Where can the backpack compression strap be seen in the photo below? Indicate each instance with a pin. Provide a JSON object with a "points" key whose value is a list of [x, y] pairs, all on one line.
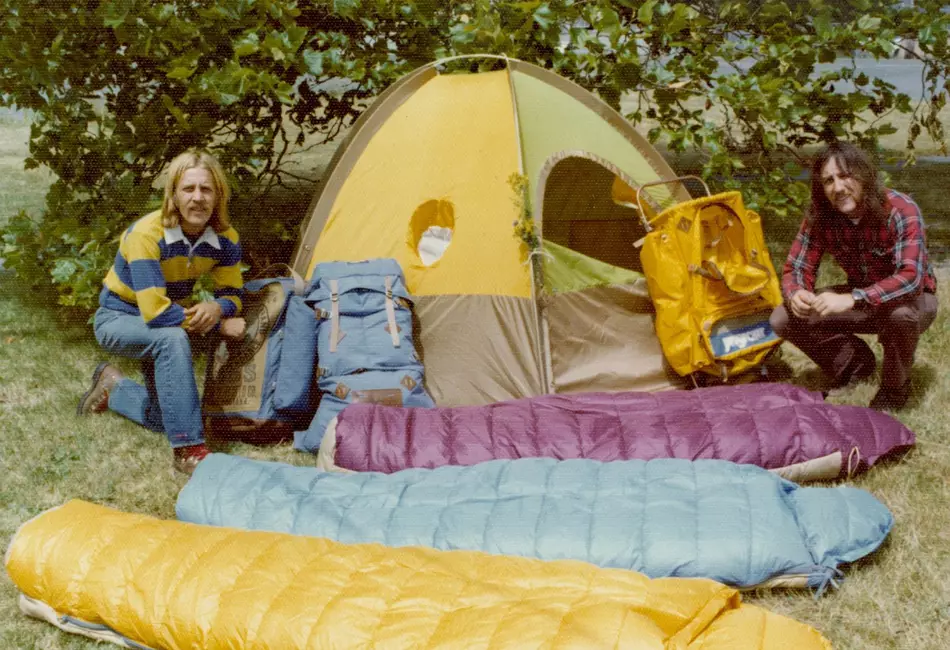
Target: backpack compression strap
{"points": [[334, 314], [391, 312]]}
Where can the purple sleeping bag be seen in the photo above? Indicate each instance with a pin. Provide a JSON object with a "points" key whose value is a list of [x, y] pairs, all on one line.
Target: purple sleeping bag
{"points": [[779, 427]]}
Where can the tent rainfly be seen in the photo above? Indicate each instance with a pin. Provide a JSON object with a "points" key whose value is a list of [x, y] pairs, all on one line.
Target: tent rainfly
{"points": [[443, 170]]}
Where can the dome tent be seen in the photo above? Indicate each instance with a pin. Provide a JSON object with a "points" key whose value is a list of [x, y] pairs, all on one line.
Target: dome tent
{"points": [[429, 176]]}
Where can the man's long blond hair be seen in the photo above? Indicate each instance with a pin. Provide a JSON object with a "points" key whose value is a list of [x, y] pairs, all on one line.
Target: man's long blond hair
{"points": [[220, 221]]}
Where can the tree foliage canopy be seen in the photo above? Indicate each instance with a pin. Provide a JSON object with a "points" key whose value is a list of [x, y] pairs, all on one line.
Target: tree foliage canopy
{"points": [[118, 87]]}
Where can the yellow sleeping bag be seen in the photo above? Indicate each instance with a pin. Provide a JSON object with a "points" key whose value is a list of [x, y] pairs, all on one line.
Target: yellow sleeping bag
{"points": [[165, 584]]}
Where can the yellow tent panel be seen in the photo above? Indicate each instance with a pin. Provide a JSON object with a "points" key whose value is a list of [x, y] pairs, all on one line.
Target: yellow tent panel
{"points": [[418, 157]]}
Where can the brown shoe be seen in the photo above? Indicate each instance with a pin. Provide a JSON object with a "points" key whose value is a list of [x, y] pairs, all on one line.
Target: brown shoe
{"points": [[96, 399], [186, 459], [860, 368], [891, 398]]}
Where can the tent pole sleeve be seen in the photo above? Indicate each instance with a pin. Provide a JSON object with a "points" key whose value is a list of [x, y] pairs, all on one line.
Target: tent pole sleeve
{"points": [[536, 276]]}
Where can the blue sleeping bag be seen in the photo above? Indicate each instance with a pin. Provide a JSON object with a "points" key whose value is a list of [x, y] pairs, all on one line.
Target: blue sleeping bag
{"points": [[738, 524]]}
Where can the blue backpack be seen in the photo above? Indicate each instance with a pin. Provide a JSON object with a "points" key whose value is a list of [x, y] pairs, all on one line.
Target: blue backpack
{"points": [[365, 348]]}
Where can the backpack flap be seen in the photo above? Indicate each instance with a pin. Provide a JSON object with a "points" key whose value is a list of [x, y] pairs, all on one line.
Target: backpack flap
{"points": [[364, 317]]}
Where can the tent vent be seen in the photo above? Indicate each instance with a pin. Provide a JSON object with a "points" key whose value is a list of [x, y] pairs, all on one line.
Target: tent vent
{"points": [[433, 244], [430, 231]]}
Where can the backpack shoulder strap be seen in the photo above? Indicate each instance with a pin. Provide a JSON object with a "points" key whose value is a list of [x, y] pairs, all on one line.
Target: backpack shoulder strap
{"points": [[334, 314], [391, 312]]}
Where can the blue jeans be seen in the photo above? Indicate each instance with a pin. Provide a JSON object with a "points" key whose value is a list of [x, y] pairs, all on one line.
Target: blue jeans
{"points": [[168, 402]]}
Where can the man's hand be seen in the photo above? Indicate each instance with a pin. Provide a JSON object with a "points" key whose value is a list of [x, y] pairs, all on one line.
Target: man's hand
{"points": [[201, 318], [232, 328], [828, 304], [802, 303]]}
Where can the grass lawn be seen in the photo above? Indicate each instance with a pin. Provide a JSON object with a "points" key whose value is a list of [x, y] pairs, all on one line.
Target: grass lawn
{"points": [[898, 598]]}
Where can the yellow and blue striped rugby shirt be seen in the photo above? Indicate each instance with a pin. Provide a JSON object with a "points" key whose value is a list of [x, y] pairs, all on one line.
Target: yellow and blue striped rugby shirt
{"points": [[156, 268]]}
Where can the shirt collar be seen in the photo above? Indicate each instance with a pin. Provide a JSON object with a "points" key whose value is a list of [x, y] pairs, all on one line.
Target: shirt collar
{"points": [[175, 235]]}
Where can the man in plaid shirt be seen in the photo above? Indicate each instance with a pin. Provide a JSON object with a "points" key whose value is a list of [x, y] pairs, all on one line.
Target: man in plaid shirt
{"points": [[876, 235]]}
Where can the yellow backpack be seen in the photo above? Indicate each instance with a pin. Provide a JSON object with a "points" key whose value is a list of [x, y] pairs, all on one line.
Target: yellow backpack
{"points": [[712, 284]]}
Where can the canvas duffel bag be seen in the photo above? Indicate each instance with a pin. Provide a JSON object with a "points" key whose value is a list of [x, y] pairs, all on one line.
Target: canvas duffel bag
{"points": [[260, 388]]}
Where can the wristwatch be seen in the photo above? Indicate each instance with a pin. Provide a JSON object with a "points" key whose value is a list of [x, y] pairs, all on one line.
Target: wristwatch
{"points": [[858, 298]]}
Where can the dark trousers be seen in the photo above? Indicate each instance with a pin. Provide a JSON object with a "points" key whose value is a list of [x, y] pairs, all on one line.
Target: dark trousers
{"points": [[831, 342]]}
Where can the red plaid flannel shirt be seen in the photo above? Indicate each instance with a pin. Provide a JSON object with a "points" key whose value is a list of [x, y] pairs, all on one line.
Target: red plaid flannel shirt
{"points": [[883, 261]]}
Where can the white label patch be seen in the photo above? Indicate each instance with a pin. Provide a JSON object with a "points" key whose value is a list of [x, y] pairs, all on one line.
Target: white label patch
{"points": [[742, 340]]}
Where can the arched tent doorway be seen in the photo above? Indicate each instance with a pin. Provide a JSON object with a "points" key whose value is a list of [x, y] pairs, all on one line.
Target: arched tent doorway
{"points": [[596, 313]]}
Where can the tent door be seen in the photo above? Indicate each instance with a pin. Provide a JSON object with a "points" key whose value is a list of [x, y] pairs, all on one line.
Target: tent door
{"points": [[596, 314]]}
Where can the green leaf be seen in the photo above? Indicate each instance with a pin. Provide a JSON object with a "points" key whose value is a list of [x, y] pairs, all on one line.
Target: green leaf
{"points": [[63, 270], [314, 62], [247, 44], [681, 16], [775, 11], [827, 55], [426, 8], [169, 104], [180, 72], [114, 17], [867, 23], [822, 23], [645, 12], [346, 8], [284, 93], [543, 16], [886, 44], [771, 85]]}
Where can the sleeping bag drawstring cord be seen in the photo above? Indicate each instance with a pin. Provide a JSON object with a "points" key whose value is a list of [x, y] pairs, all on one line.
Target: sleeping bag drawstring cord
{"points": [[854, 459], [825, 576]]}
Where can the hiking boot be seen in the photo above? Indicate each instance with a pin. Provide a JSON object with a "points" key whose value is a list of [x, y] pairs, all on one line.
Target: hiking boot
{"points": [[891, 398], [96, 399], [861, 367], [186, 459]]}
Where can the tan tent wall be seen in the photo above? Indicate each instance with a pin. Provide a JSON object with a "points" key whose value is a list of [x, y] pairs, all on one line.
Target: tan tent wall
{"points": [[602, 339], [599, 338], [478, 349]]}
